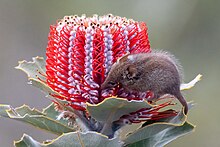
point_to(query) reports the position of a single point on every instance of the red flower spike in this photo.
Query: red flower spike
(81, 51)
(153, 113)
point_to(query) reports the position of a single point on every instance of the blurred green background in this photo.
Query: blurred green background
(190, 29)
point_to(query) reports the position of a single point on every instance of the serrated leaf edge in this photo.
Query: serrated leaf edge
(121, 99)
(42, 116)
(162, 123)
(24, 61)
(64, 134)
(22, 138)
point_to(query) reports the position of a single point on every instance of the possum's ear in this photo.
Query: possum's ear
(131, 71)
(123, 58)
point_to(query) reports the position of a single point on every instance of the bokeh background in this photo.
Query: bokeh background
(190, 29)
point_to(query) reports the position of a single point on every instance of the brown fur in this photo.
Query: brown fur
(158, 72)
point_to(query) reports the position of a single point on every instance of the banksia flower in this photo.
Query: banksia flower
(80, 53)
(87, 59)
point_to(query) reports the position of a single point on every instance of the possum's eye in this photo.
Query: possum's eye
(112, 83)
(137, 76)
(131, 71)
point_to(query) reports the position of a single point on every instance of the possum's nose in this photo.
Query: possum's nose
(103, 86)
(108, 85)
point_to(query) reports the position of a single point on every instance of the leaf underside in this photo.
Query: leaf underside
(45, 120)
(165, 136)
(36, 72)
(159, 133)
(73, 139)
(111, 109)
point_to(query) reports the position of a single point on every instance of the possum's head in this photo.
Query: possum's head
(122, 72)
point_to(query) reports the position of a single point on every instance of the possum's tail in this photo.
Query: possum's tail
(182, 100)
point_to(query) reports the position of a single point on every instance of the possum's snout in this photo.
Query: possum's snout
(108, 85)
(104, 86)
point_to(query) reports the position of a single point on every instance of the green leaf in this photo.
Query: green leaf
(42, 86)
(3, 109)
(36, 75)
(165, 137)
(36, 72)
(72, 139)
(159, 133)
(111, 109)
(33, 68)
(50, 112)
(27, 141)
(174, 133)
(45, 120)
